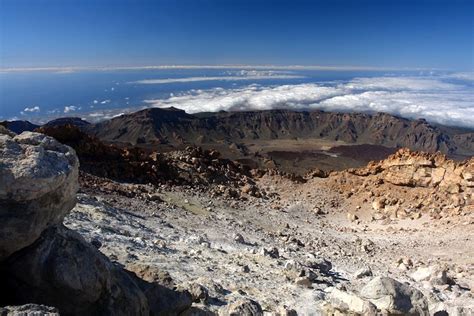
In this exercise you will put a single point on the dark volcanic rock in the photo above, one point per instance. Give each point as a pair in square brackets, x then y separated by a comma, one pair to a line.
[364, 152]
[62, 270]
[19, 127]
[151, 126]
[175, 127]
[160, 291]
[464, 142]
[244, 307]
[193, 165]
[74, 121]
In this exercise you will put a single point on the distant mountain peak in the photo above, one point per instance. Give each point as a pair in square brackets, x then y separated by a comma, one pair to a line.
[19, 126]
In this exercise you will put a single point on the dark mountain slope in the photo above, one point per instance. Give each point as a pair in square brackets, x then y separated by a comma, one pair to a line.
[174, 127]
[148, 126]
[74, 121]
[19, 126]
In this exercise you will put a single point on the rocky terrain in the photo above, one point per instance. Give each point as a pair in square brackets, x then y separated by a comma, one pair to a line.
[204, 169]
[188, 232]
[409, 184]
[44, 262]
[175, 127]
[307, 247]
[292, 141]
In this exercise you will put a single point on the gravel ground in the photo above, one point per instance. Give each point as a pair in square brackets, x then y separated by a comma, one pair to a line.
[257, 248]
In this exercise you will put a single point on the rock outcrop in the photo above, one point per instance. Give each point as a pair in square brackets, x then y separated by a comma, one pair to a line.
[381, 296]
[348, 303]
[395, 298]
[6, 131]
[42, 261]
[38, 185]
[62, 270]
[243, 307]
[158, 288]
[416, 169]
[408, 184]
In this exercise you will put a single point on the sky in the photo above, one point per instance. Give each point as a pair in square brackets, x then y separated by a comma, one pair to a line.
[384, 33]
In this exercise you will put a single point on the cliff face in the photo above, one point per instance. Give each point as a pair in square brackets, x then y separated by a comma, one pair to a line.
[464, 142]
[415, 169]
[175, 127]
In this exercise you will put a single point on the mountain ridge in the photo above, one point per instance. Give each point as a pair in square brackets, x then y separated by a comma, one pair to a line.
[176, 127]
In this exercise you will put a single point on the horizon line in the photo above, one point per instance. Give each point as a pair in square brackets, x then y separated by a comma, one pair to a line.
[68, 69]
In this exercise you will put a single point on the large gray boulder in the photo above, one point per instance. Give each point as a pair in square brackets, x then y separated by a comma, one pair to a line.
[42, 261]
[62, 270]
[38, 185]
[350, 303]
[395, 298]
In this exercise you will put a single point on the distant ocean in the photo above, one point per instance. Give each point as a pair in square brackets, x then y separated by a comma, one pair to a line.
[442, 97]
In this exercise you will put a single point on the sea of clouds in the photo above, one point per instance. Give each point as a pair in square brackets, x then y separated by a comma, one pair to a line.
[447, 99]
[439, 98]
[241, 75]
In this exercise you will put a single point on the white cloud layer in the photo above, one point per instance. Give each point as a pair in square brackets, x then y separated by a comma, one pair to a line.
[466, 76]
[71, 108]
[32, 109]
[239, 76]
[433, 98]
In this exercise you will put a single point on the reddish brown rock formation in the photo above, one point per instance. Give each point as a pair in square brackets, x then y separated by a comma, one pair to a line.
[408, 184]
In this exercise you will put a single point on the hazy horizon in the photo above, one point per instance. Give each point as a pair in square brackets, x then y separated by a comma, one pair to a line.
[384, 34]
[440, 97]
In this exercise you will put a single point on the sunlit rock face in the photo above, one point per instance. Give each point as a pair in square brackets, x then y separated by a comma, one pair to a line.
[38, 185]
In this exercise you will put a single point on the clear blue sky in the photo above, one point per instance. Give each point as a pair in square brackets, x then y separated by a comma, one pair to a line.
[428, 34]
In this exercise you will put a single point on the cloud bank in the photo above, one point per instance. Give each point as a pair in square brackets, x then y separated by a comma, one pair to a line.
[33, 109]
[434, 98]
[230, 76]
[71, 108]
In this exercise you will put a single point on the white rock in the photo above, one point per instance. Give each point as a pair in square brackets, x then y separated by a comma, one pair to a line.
[38, 186]
[350, 302]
